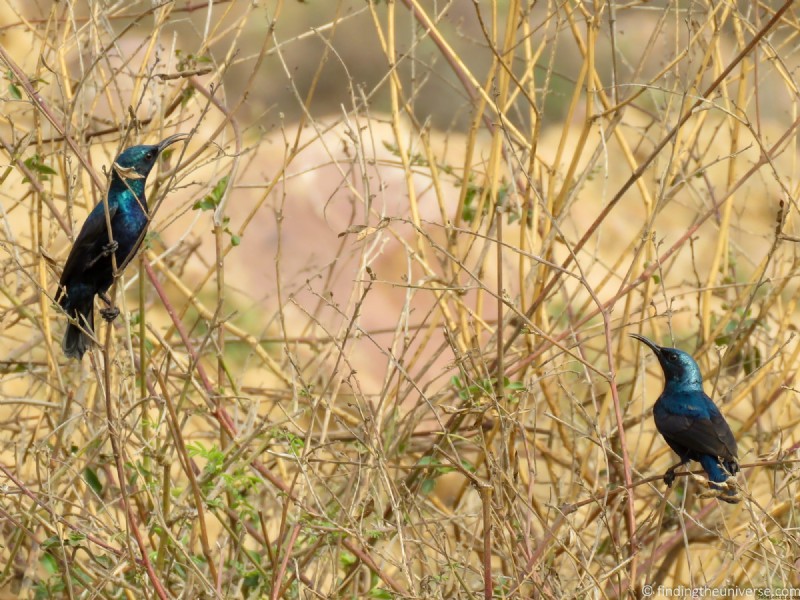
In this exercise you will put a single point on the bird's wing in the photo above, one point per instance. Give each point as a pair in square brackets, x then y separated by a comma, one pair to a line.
[94, 233]
[695, 423]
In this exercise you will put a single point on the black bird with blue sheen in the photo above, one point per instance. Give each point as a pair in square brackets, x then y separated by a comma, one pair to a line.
[692, 424]
[89, 270]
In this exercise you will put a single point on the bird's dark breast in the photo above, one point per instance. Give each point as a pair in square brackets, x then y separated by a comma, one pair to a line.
[128, 228]
[127, 234]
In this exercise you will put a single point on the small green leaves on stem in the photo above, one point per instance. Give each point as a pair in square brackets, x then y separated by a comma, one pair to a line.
[474, 191]
[484, 387]
[92, 480]
[37, 167]
[435, 469]
[13, 89]
[13, 84]
[211, 202]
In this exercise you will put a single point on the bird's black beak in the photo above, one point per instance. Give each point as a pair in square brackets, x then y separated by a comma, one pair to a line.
[654, 347]
[171, 140]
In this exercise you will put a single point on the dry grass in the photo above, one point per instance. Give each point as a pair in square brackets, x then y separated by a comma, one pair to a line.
[376, 345]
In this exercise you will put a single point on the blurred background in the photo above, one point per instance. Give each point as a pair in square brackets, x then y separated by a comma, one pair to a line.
[375, 344]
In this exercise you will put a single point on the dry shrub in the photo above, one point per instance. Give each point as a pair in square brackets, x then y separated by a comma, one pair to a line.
[376, 343]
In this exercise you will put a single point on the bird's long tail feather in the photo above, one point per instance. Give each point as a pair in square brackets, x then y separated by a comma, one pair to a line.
[76, 341]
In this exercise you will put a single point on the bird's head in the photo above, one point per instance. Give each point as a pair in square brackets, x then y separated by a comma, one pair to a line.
[679, 368]
[137, 161]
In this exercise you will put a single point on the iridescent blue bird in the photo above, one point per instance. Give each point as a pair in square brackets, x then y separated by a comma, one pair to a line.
[89, 269]
[692, 425]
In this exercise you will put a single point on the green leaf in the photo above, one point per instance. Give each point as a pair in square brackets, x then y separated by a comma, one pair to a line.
[92, 480]
[296, 444]
[235, 240]
[12, 86]
[104, 560]
[468, 211]
[35, 165]
[513, 385]
[468, 466]
[212, 200]
[49, 563]
[251, 581]
[186, 95]
[502, 194]
[346, 559]
[204, 204]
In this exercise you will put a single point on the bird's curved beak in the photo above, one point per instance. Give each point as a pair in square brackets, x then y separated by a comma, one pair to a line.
[171, 140]
[653, 346]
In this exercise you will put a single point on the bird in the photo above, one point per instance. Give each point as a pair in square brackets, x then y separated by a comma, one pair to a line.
[89, 270]
[692, 425]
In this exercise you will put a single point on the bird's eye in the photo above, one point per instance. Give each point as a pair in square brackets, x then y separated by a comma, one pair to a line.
[672, 357]
[150, 154]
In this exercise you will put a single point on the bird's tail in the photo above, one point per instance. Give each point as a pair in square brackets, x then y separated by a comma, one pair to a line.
[76, 341]
[719, 473]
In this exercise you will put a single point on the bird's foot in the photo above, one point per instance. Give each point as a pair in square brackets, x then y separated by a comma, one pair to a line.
[727, 491]
[669, 476]
[110, 248]
[105, 252]
[699, 479]
[710, 493]
[731, 495]
[109, 314]
[731, 498]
